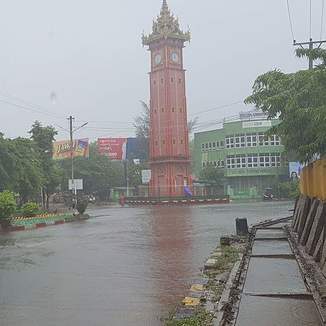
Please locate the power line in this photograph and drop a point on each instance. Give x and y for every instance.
(310, 20)
(322, 18)
(27, 105)
(218, 107)
(290, 19)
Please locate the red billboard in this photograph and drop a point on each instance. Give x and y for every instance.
(114, 148)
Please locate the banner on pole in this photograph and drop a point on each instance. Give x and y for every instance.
(62, 149)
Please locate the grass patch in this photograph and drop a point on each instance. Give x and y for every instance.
(201, 318)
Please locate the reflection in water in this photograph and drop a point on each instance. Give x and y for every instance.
(126, 267)
(172, 244)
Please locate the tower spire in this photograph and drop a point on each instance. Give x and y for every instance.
(166, 26)
(165, 5)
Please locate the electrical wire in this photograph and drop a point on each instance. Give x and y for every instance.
(310, 20)
(322, 18)
(290, 20)
(27, 105)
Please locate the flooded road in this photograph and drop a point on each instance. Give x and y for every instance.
(127, 266)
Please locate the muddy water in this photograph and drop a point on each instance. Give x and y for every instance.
(125, 267)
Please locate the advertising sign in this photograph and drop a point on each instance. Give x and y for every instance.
(62, 149)
(75, 184)
(256, 124)
(295, 170)
(114, 148)
(146, 176)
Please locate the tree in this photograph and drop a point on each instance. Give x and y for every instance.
(142, 122)
(43, 138)
(26, 174)
(299, 101)
(215, 177)
(98, 172)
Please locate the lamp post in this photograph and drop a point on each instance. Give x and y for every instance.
(72, 131)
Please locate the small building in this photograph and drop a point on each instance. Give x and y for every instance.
(252, 160)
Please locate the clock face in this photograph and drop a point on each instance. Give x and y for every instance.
(158, 59)
(175, 57)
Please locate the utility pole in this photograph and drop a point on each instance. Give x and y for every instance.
(311, 45)
(71, 118)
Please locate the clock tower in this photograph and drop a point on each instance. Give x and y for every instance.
(168, 136)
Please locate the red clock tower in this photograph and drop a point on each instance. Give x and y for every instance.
(169, 141)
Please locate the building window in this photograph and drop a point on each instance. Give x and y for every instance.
(261, 139)
(210, 145)
(204, 164)
(180, 80)
(172, 79)
(163, 142)
(181, 141)
(173, 141)
(154, 82)
(180, 110)
(206, 145)
(214, 144)
(172, 109)
(242, 141)
(222, 144)
(202, 146)
(237, 141)
(162, 80)
(162, 109)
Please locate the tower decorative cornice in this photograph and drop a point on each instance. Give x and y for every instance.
(164, 27)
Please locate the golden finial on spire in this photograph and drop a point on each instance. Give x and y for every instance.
(166, 26)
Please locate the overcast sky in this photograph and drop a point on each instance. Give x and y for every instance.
(85, 58)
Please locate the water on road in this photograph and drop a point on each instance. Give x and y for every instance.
(127, 266)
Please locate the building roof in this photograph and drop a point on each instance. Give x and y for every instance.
(164, 27)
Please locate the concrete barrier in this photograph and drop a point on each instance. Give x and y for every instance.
(310, 219)
(316, 229)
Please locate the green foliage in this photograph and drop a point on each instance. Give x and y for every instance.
(30, 209)
(7, 204)
(98, 172)
(201, 318)
(299, 101)
(43, 138)
(213, 175)
(82, 206)
(288, 189)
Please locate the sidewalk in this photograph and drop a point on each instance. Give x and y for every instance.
(274, 291)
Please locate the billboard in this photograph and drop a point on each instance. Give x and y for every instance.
(137, 148)
(295, 170)
(62, 149)
(114, 148)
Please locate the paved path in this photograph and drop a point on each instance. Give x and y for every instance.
(274, 292)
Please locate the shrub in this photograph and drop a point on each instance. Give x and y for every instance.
(81, 206)
(8, 204)
(30, 209)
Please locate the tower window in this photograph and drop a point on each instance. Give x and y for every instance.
(172, 80)
(155, 111)
(180, 80)
(172, 109)
(162, 109)
(162, 80)
(156, 142)
(181, 141)
(154, 82)
(180, 110)
(173, 141)
(163, 142)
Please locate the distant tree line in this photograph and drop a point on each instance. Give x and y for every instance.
(28, 170)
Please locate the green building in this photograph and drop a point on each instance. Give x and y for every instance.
(251, 160)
